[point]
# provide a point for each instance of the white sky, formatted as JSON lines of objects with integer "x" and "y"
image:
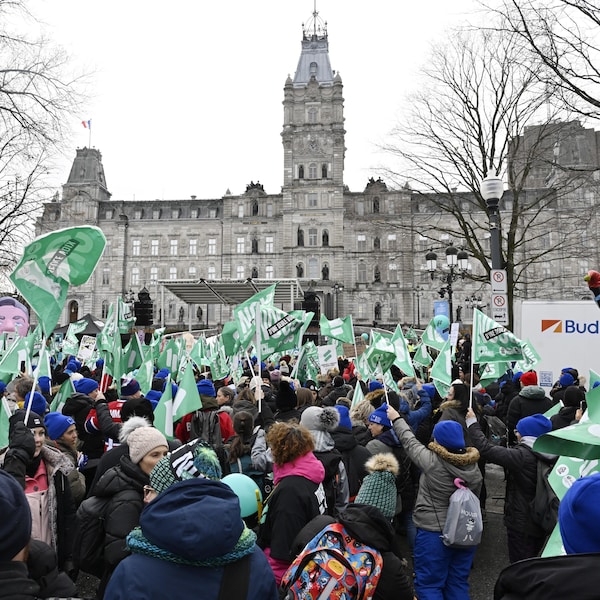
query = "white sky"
{"x": 187, "y": 95}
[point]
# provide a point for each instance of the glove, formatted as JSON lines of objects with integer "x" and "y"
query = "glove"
{"x": 21, "y": 438}
{"x": 82, "y": 462}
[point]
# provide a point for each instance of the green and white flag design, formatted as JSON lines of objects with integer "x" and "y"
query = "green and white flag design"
{"x": 71, "y": 343}
{"x": 403, "y": 360}
{"x": 245, "y": 314}
{"x": 338, "y": 329}
{"x": 432, "y": 337}
{"x": 421, "y": 356}
{"x": 441, "y": 371}
{"x": 64, "y": 393}
{"x": 187, "y": 399}
{"x": 492, "y": 342}
{"x": 530, "y": 357}
{"x": 163, "y": 413}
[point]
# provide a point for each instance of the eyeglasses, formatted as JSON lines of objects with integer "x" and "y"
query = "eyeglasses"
{"x": 148, "y": 490}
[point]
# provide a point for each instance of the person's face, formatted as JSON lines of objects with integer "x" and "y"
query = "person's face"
{"x": 149, "y": 494}
{"x": 149, "y": 461}
{"x": 375, "y": 428}
{"x": 221, "y": 398}
{"x": 13, "y": 319}
{"x": 39, "y": 435}
{"x": 450, "y": 395}
{"x": 70, "y": 436}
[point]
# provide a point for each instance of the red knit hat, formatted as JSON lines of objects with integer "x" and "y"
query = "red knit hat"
{"x": 529, "y": 378}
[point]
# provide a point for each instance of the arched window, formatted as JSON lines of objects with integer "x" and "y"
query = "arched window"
{"x": 255, "y": 208}
{"x": 73, "y": 311}
{"x": 301, "y": 172}
{"x": 312, "y": 171}
{"x": 376, "y": 243}
{"x": 376, "y": 204}
{"x": 313, "y": 68}
{"x": 300, "y": 237}
{"x": 104, "y": 312}
{"x": 325, "y": 237}
{"x": 313, "y": 268}
{"x": 312, "y": 114}
{"x": 377, "y": 312}
{"x": 324, "y": 171}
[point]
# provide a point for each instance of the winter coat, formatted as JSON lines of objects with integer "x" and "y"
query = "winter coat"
{"x": 453, "y": 410}
{"x": 418, "y": 415}
{"x": 439, "y": 468}
{"x": 563, "y": 418}
{"x": 336, "y": 392}
{"x": 520, "y": 464}
{"x": 367, "y": 525}
{"x": 531, "y": 400}
{"x": 154, "y": 577}
{"x": 354, "y": 457}
{"x": 553, "y": 578}
{"x": 75, "y": 477}
{"x": 78, "y": 406}
{"x": 361, "y": 433}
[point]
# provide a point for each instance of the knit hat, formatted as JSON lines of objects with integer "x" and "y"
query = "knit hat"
{"x": 73, "y": 365}
{"x": 206, "y": 388}
{"x": 162, "y": 374}
{"x": 33, "y": 420}
{"x": 275, "y": 375}
{"x": 534, "y": 426}
{"x": 139, "y": 407}
{"x": 44, "y": 384}
{"x": 57, "y": 424}
{"x": 375, "y": 385}
{"x": 578, "y": 514}
{"x": 450, "y": 435}
{"x": 286, "y": 396}
{"x": 379, "y": 486}
{"x": 194, "y": 459}
{"x": 574, "y": 396}
{"x": 154, "y": 397}
{"x": 338, "y": 381}
{"x": 429, "y": 389}
{"x": 380, "y": 417}
{"x": 566, "y": 379}
{"x": 38, "y": 403}
{"x": 315, "y": 418}
{"x": 15, "y": 532}
{"x": 309, "y": 384}
{"x": 130, "y": 388}
{"x": 517, "y": 376}
{"x": 85, "y": 385}
{"x": 344, "y": 416}
{"x": 144, "y": 440}
{"x": 529, "y": 378}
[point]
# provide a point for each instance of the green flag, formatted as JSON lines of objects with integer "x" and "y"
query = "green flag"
{"x": 380, "y": 353}
{"x": 411, "y": 334}
{"x": 163, "y": 413}
{"x": 217, "y": 359}
{"x": 338, "y": 329}
{"x": 492, "y": 371}
{"x": 170, "y": 356}
{"x": 492, "y": 342}
{"x": 71, "y": 343}
{"x": 280, "y": 330}
{"x": 245, "y": 314}
{"x": 308, "y": 362}
{"x": 198, "y": 351}
{"x": 125, "y": 317}
{"x": 441, "y": 371}
{"x": 4, "y": 423}
{"x": 53, "y": 261}
{"x": 432, "y": 337}
{"x": 403, "y": 360}
{"x": 17, "y": 358}
{"x": 64, "y": 393}
{"x": 187, "y": 398}
{"x": 530, "y": 357}
{"x": 133, "y": 355}
{"x": 421, "y": 356}
{"x": 593, "y": 378}
{"x": 144, "y": 376}
{"x": 230, "y": 338}
{"x": 358, "y": 395}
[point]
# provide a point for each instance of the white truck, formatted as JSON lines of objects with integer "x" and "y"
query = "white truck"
{"x": 564, "y": 333}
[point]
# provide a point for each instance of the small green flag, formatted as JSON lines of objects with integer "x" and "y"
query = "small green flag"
{"x": 133, "y": 355}
{"x": 441, "y": 371}
{"x": 71, "y": 343}
{"x": 338, "y": 329}
{"x": 187, "y": 399}
{"x": 4, "y": 423}
{"x": 163, "y": 413}
{"x": 64, "y": 393}
{"x": 358, "y": 395}
{"x": 421, "y": 356}
{"x": 492, "y": 342}
{"x": 245, "y": 314}
{"x": 144, "y": 376}
{"x": 403, "y": 360}
{"x": 170, "y": 356}
{"x": 432, "y": 337}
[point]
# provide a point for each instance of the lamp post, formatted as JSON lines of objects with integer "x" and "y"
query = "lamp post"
{"x": 492, "y": 189}
{"x": 457, "y": 262}
{"x": 472, "y": 302}
{"x": 418, "y": 292}
{"x": 337, "y": 288}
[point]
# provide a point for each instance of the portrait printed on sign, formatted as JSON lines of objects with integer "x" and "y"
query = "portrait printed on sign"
{"x": 14, "y": 316}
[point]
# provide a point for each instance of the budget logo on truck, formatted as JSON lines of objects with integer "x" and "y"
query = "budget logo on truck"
{"x": 570, "y": 326}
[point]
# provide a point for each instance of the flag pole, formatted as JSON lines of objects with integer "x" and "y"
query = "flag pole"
{"x": 474, "y": 332}
{"x": 35, "y": 380}
{"x": 257, "y": 323}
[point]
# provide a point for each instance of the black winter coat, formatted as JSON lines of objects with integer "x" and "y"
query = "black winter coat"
{"x": 354, "y": 457}
{"x": 532, "y": 400}
{"x": 78, "y": 406}
{"x": 564, "y": 417}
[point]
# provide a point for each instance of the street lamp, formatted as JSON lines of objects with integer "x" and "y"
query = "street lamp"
{"x": 337, "y": 288}
{"x": 418, "y": 292}
{"x": 492, "y": 189}
{"x": 472, "y": 302}
{"x": 457, "y": 262}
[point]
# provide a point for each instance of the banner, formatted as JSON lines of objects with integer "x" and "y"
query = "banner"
{"x": 327, "y": 358}
{"x": 338, "y": 329}
{"x": 245, "y": 314}
{"x": 492, "y": 342}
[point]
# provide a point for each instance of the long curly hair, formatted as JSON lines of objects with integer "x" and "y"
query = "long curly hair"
{"x": 288, "y": 441}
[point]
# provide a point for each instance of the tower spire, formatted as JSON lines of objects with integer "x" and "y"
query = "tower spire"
{"x": 315, "y": 28}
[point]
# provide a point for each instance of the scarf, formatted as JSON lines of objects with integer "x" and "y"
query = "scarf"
{"x": 139, "y": 544}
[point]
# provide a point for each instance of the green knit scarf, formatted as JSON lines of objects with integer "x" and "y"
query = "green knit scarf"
{"x": 139, "y": 544}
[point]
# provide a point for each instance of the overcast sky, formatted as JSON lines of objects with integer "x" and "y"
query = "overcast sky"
{"x": 187, "y": 95}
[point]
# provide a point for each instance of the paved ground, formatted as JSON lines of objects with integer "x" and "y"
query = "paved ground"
{"x": 490, "y": 559}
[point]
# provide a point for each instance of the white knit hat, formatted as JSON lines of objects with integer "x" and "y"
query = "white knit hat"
{"x": 143, "y": 440}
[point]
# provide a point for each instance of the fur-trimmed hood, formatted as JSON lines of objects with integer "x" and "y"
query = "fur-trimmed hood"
{"x": 131, "y": 425}
{"x": 55, "y": 460}
{"x": 471, "y": 455}
{"x": 384, "y": 461}
{"x": 376, "y": 397}
{"x": 455, "y": 404}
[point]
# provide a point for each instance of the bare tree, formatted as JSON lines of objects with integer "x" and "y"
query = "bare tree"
{"x": 38, "y": 96}
{"x": 563, "y": 37}
{"x": 477, "y": 114}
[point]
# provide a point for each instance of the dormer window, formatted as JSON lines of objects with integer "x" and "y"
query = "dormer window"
{"x": 313, "y": 69}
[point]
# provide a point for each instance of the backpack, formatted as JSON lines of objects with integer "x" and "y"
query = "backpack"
{"x": 464, "y": 522}
{"x": 88, "y": 543}
{"x": 205, "y": 425}
{"x": 544, "y": 506}
{"x": 497, "y": 432}
{"x": 333, "y": 565}
{"x": 331, "y": 483}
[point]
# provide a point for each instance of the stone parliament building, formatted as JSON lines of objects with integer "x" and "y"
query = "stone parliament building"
{"x": 359, "y": 253}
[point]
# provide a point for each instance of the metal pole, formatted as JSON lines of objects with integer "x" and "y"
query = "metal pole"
{"x": 495, "y": 240}
{"x": 449, "y": 289}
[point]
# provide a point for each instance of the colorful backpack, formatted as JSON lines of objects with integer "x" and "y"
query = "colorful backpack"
{"x": 333, "y": 565}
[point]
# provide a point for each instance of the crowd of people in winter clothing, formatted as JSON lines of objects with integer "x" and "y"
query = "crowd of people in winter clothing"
{"x": 231, "y": 502}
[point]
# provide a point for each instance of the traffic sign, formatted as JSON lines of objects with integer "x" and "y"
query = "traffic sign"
{"x": 498, "y": 281}
{"x": 500, "y": 308}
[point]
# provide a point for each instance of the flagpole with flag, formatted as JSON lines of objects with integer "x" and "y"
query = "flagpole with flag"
{"x": 88, "y": 125}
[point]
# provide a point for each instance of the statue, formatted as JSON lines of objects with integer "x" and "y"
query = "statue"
{"x": 299, "y": 270}
{"x": 325, "y": 272}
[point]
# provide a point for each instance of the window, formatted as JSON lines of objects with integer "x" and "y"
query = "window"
{"x": 301, "y": 172}
{"x": 212, "y": 246}
{"x": 137, "y": 213}
{"x": 391, "y": 241}
{"x": 173, "y": 247}
{"x": 361, "y": 242}
{"x": 312, "y": 112}
{"x": 312, "y": 171}
{"x": 136, "y": 247}
{"x": 172, "y": 272}
{"x": 312, "y": 200}
{"x": 193, "y": 247}
{"x": 393, "y": 273}
{"x": 212, "y": 213}
{"x": 153, "y": 275}
{"x": 313, "y": 268}
{"x": 241, "y": 211}
{"x": 312, "y": 237}
{"x": 269, "y": 210}
{"x": 109, "y": 213}
{"x": 240, "y": 272}
{"x": 324, "y": 171}
{"x": 156, "y": 213}
{"x": 104, "y": 312}
{"x": 269, "y": 272}
{"x": 105, "y": 276}
{"x": 192, "y": 272}
{"x": 171, "y": 310}
{"x": 360, "y": 208}
{"x": 154, "y": 247}
{"x": 362, "y": 310}
{"x": 240, "y": 245}
{"x": 175, "y": 212}
{"x": 376, "y": 204}
{"x": 107, "y": 249}
{"x": 362, "y": 272}
{"x": 193, "y": 213}
{"x": 393, "y": 310}
{"x": 212, "y": 273}
{"x": 135, "y": 276}
{"x": 269, "y": 245}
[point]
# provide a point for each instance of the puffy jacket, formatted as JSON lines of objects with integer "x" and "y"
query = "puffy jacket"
{"x": 354, "y": 457}
{"x": 78, "y": 406}
{"x": 531, "y": 400}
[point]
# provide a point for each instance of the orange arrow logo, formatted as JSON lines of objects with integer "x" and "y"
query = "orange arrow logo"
{"x": 555, "y": 324}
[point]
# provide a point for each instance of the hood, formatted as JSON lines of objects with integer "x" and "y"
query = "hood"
{"x": 344, "y": 439}
{"x": 307, "y": 466}
{"x": 196, "y": 519}
{"x": 76, "y": 403}
{"x": 368, "y": 525}
{"x": 455, "y": 404}
{"x": 209, "y": 402}
{"x": 533, "y": 392}
{"x": 125, "y": 475}
{"x": 389, "y": 438}
{"x": 56, "y": 460}
{"x": 376, "y": 397}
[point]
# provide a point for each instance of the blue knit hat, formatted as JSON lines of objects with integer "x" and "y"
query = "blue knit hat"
{"x": 130, "y": 388}
{"x": 344, "y": 416}
{"x": 517, "y": 376}
{"x": 206, "y": 388}
{"x": 375, "y": 385}
{"x": 38, "y": 404}
{"x": 44, "y": 384}
{"x": 429, "y": 389}
{"x": 15, "y": 532}
{"x": 578, "y": 515}
{"x": 380, "y": 417}
{"x": 566, "y": 379}
{"x": 56, "y": 424}
{"x": 154, "y": 397}
{"x": 162, "y": 374}
{"x": 534, "y": 426}
{"x": 85, "y": 385}
{"x": 450, "y": 435}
